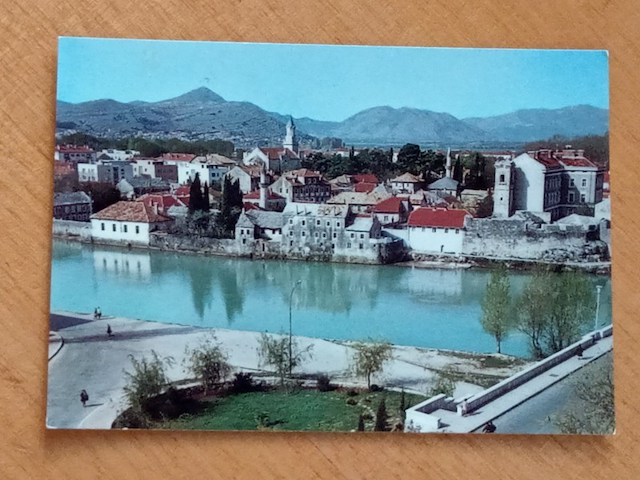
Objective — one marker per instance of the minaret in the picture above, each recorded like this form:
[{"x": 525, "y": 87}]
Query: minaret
[
  {"x": 290, "y": 139},
  {"x": 263, "y": 187},
  {"x": 503, "y": 189},
  {"x": 448, "y": 168}
]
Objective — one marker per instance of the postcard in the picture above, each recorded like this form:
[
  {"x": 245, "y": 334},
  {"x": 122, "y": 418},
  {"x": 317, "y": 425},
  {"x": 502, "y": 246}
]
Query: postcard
[{"x": 277, "y": 237}]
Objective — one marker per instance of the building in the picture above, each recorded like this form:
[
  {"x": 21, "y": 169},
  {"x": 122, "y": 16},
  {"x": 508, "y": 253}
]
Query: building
[
  {"x": 407, "y": 183},
  {"x": 74, "y": 154},
  {"x": 72, "y": 206},
  {"x": 277, "y": 159},
  {"x": 136, "y": 186},
  {"x": 87, "y": 172},
  {"x": 445, "y": 186},
  {"x": 164, "y": 201},
  {"x": 121, "y": 155},
  {"x": 272, "y": 201},
  {"x": 145, "y": 166},
  {"x": 393, "y": 210},
  {"x": 63, "y": 169},
  {"x": 168, "y": 173},
  {"x": 551, "y": 184},
  {"x": 302, "y": 185},
  {"x": 247, "y": 176},
  {"x": 211, "y": 169},
  {"x": 437, "y": 230},
  {"x": 360, "y": 202},
  {"x": 127, "y": 222},
  {"x": 176, "y": 158},
  {"x": 113, "y": 172},
  {"x": 258, "y": 224}
]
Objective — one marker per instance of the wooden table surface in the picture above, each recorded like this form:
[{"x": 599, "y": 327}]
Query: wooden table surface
[{"x": 27, "y": 99}]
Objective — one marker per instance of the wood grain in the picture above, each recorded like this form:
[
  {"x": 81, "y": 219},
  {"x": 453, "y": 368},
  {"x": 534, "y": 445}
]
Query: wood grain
[{"x": 27, "y": 98}]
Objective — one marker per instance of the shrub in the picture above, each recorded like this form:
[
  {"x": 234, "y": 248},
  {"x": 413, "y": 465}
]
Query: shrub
[
  {"x": 323, "y": 383},
  {"x": 352, "y": 401},
  {"x": 243, "y": 383},
  {"x": 146, "y": 381},
  {"x": 381, "y": 417},
  {"x": 208, "y": 363},
  {"x": 351, "y": 393}
]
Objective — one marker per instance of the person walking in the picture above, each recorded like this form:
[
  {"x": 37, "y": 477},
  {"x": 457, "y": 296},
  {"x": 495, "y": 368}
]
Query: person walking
[
  {"x": 109, "y": 331},
  {"x": 84, "y": 397}
]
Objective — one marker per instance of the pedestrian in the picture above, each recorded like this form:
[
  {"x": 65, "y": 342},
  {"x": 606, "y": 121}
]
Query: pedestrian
[
  {"x": 464, "y": 409},
  {"x": 109, "y": 331},
  {"x": 95, "y": 313},
  {"x": 84, "y": 397},
  {"x": 99, "y": 313},
  {"x": 489, "y": 427},
  {"x": 579, "y": 351}
]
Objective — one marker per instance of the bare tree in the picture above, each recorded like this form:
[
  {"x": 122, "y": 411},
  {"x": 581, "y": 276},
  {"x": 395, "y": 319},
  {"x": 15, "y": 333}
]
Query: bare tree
[{"x": 370, "y": 357}]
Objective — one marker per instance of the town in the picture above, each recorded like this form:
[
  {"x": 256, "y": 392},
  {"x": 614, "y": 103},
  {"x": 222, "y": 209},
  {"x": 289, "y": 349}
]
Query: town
[{"x": 549, "y": 204}]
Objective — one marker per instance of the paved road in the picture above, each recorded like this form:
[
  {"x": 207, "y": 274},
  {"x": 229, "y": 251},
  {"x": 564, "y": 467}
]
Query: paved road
[
  {"x": 58, "y": 322},
  {"x": 536, "y": 415}
]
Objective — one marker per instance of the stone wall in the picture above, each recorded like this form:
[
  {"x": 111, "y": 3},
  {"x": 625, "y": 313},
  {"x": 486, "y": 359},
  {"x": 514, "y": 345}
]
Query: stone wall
[
  {"x": 520, "y": 239},
  {"x": 184, "y": 243},
  {"x": 72, "y": 229}
]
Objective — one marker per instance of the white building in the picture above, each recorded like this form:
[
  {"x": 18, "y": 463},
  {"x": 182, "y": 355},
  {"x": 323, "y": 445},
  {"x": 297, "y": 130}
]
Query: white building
[
  {"x": 87, "y": 172},
  {"x": 247, "y": 176},
  {"x": 406, "y": 183},
  {"x": 436, "y": 230},
  {"x": 120, "y": 155},
  {"x": 127, "y": 222},
  {"x": 551, "y": 184},
  {"x": 211, "y": 168},
  {"x": 145, "y": 166}
]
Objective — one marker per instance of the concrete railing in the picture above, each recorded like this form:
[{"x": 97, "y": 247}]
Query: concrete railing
[{"x": 480, "y": 399}]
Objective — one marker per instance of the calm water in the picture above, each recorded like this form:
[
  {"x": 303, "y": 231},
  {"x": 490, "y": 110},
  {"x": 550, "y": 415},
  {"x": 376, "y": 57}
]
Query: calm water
[{"x": 425, "y": 308}]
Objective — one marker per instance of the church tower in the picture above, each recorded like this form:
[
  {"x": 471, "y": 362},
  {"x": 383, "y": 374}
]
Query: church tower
[
  {"x": 290, "y": 139},
  {"x": 503, "y": 190}
]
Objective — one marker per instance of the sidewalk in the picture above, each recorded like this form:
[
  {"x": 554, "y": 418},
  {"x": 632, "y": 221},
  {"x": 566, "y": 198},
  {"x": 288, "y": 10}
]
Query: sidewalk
[{"x": 454, "y": 423}]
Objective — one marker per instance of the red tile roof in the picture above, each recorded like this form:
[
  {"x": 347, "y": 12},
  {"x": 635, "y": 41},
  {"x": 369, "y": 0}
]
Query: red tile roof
[
  {"x": 437, "y": 217},
  {"x": 275, "y": 153},
  {"x": 302, "y": 172},
  {"x": 390, "y": 205},
  {"x": 163, "y": 201},
  {"x": 577, "y": 162},
  {"x": 183, "y": 190},
  {"x": 250, "y": 206},
  {"x": 180, "y": 157},
  {"x": 130, "y": 212},
  {"x": 364, "y": 187},
  {"x": 255, "y": 195},
  {"x": 365, "y": 177}
]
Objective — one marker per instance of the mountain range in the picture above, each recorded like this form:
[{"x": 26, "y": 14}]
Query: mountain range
[{"x": 202, "y": 113}]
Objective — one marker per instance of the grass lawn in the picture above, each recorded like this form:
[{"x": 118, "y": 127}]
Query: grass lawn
[{"x": 298, "y": 410}]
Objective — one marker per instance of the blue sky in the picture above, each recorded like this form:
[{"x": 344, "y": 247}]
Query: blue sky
[{"x": 333, "y": 82}]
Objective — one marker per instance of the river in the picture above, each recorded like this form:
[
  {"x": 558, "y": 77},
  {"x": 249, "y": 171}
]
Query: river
[{"x": 405, "y": 306}]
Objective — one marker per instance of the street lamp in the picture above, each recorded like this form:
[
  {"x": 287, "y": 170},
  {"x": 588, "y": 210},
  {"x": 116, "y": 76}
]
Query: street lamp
[
  {"x": 290, "y": 327},
  {"x": 595, "y": 322}
]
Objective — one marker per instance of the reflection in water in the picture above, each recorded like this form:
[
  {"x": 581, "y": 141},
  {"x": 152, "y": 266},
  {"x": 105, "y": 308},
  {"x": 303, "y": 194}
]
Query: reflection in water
[
  {"x": 430, "y": 308},
  {"x": 135, "y": 265}
]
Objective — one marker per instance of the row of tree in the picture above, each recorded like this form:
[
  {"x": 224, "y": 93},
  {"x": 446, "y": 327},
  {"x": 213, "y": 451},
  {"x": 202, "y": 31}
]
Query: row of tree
[
  {"x": 151, "y": 147},
  {"x": 551, "y": 311}
]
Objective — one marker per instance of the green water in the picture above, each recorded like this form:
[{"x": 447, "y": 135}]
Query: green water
[{"x": 406, "y": 306}]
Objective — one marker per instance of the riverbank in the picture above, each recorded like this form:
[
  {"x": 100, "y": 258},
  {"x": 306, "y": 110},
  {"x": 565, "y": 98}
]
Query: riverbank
[
  {"x": 413, "y": 260},
  {"x": 94, "y": 361}
]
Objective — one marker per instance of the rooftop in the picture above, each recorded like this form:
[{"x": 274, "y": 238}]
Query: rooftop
[
  {"x": 407, "y": 178},
  {"x": 71, "y": 198},
  {"x": 444, "y": 183},
  {"x": 437, "y": 217},
  {"x": 130, "y": 212},
  {"x": 390, "y": 205}
]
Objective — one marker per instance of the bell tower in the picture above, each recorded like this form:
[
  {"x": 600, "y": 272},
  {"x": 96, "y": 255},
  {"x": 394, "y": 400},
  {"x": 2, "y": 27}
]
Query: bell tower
[
  {"x": 290, "y": 139},
  {"x": 503, "y": 190}
]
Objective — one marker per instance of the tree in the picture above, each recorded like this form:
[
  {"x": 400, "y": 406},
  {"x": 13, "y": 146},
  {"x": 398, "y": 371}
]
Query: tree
[
  {"x": 381, "y": 417},
  {"x": 370, "y": 357},
  {"x": 147, "y": 380},
  {"x": 457, "y": 171},
  {"x": 195, "y": 195},
  {"x": 532, "y": 310},
  {"x": 592, "y": 410},
  {"x": 360, "y": 423},
  {"x": 402, "y": 407},
  {"x": 206, "y": 203},
  {"x": 496, "y": 319},
  {"x": 409, "y": 158},
  {"x": 553, "y": 309},
  {"x": 443, "y": 385},
  {"x": 274, "y": 351},
  {"x": 102, "y": 195},
  {"x": 208, "y": 363},
  {"x": 231, "y": 204}
]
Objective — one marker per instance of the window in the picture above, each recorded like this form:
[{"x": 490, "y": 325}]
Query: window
[
  {"x": 584, "y": 182},
  {"x": 304, "y": 223},
  {"x": 446, "y": 230},
  {"x": 244, "y": 241},
  {"x": 316, "y": 235},
  {"x": 303, "y": 234},
  {"x": 318, "y": 222},
  {"x": 433, "y": 230},
  {"x": 457, "y": 231},
  {"x": 113, "y": 227},
  {"x": 324, "y": 235},
  {"x": 349, "y": 245},
  {"x": 583, "y": 198},
  {"x": 102, "y": 226},
  {"x": 362, "y": 235},
  {"x": 291, "y": 243},
  {"x": 290, "y": 233},
  {"x": 572, "y": 197},
  {"x": 137, "y": 229},
  {"x": 328, "y": 223},
  {"x": 502, "y": 178},
  {"x": 335, "y": 235},
  {"x": 124, "y": 228},
  {"x": 573, "y": 182},
  {"x": 338, "y": 224},
  {"x": 360, "y": 246},
  {"x": 352, "y": 235},
  {"x": 291, "y": 221}
]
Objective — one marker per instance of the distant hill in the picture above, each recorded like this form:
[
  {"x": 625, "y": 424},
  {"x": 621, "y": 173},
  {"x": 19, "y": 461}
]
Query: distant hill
[
  {"x": 203, "y": 114},
  {"x": 539, "y": 123}
]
